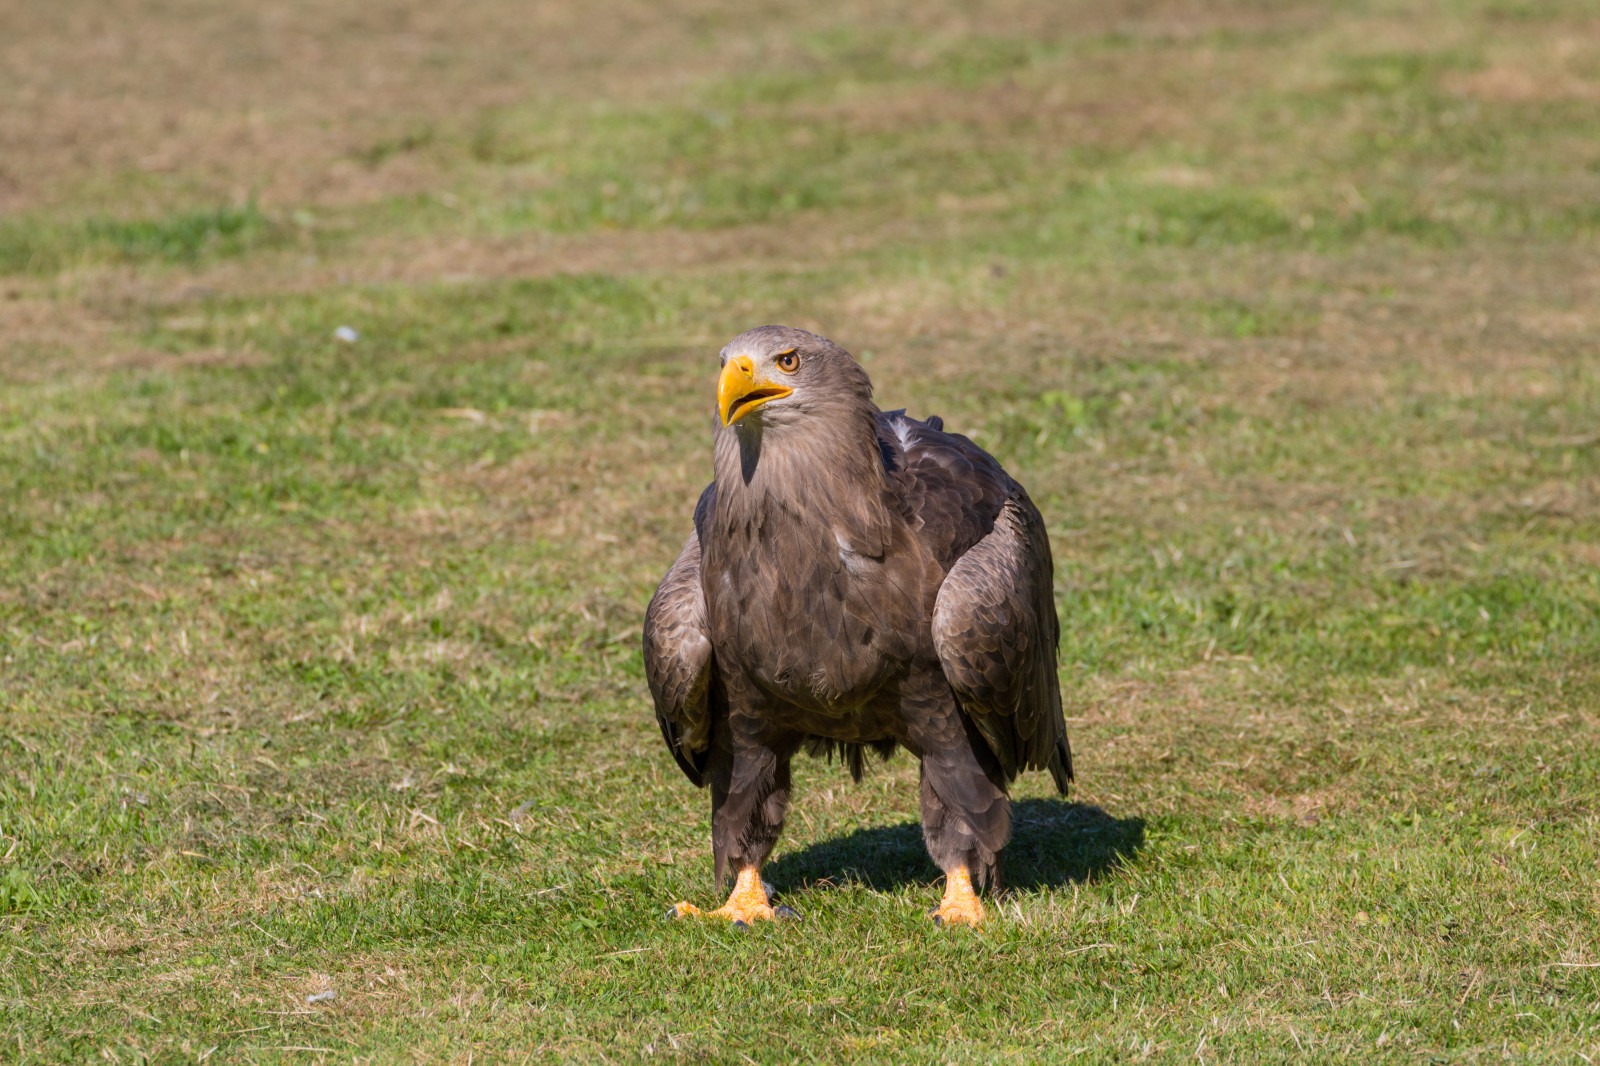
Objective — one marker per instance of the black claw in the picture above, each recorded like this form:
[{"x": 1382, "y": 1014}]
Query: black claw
[
  {"x": 786, "y": 913},
  {"x": 933, "y": 912},
  {"x": 938, "y": 920},
  {"x": 740, "y": 923},
  {"x": 766, "y": 886}
]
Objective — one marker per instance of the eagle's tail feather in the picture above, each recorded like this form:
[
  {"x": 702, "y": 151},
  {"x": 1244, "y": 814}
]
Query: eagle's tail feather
[{"x": 1061, "y": 764}]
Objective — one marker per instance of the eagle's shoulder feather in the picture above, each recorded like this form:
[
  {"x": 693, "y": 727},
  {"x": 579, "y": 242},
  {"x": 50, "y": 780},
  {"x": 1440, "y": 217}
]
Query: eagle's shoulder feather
[{"x": 950, "y": 490}]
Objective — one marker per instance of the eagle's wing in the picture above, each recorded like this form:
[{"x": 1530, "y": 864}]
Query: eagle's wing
[
  {"x": 994, "y": 621},
  {"x": 678, "y": 661},
  {"x": 995, "y": 629}
]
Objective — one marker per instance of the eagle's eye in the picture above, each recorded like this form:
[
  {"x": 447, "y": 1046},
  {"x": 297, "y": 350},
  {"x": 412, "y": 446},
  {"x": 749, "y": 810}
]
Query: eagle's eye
[{"x": 788, "y": 362}]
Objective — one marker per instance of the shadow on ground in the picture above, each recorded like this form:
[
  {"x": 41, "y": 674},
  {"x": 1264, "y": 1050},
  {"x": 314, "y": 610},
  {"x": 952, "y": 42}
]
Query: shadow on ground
[{"x": 1053, "y": 843}]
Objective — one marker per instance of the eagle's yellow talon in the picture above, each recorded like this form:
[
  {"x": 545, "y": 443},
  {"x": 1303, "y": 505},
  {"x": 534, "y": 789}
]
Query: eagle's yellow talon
[
  {"x": 747, "y": 903},
  {"x": 960, "y": 905}
]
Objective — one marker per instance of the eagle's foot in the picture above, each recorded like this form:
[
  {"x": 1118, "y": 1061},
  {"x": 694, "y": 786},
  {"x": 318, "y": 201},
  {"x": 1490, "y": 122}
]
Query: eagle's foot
[
  {"x": 960, "y": 905},
  {"x": 749, "y": 902}
]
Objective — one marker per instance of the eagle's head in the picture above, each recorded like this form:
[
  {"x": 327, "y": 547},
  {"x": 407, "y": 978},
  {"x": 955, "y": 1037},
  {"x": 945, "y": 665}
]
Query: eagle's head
[{"x": 775, "y": 376}]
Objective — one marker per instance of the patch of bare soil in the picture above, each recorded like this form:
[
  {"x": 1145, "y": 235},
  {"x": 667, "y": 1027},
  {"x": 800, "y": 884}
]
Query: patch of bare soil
[
  {"x": 1560, "y": 65},
  {"x": 50, "y": 338},
  {"x": 455, "y": 258},
  {"x": 1116, "y": 100},
  {"x": 1519, "y": 85},
  {"x": 336, "y": 102}
]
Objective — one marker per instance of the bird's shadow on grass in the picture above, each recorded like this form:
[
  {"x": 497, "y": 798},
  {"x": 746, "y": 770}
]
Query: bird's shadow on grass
[{"x": 1053, "y": 843}]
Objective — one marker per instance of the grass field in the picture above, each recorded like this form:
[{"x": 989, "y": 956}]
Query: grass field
[{"x": 319, "y": 666}]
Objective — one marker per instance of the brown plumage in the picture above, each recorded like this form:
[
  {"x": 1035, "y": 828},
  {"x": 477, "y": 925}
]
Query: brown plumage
[{"x": 856, "y": 579}]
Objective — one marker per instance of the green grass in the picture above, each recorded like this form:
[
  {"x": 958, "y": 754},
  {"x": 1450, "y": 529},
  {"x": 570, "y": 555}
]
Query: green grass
[
  {"x": 319, "y": 659},
  {"x": 39, "y": 246}
]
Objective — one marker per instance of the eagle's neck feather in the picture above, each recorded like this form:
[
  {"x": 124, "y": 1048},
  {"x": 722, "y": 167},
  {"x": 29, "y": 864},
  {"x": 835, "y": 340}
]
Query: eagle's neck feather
[{"x": 826, "y": 471}]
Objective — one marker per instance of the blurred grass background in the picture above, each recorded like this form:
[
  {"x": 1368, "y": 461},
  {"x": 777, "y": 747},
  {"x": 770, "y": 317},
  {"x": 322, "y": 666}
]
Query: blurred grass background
[{"x": 318, "y": 658}]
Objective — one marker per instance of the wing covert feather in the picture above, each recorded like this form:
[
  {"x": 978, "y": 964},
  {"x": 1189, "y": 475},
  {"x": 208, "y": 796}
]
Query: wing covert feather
[
  {"x": 678, "y": 661},
  {"x": 995, "y": 630}
]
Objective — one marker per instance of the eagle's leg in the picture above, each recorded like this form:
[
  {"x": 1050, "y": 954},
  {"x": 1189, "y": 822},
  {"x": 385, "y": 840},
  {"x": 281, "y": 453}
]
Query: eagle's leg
[
  {"x": 966, "y": 821},
  {"x": 749, "y": 797}
]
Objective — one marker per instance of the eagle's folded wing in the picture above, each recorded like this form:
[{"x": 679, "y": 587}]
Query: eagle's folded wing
[
  {"x": 678, "y": 662},
  {"x": 995, "y": 629}
]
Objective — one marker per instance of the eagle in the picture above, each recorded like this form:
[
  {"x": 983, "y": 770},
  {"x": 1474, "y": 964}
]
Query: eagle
[{"x": 856, "y": 580}]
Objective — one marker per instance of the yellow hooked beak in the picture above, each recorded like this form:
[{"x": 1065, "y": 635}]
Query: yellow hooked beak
[{"x": 739, "y": 393}]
